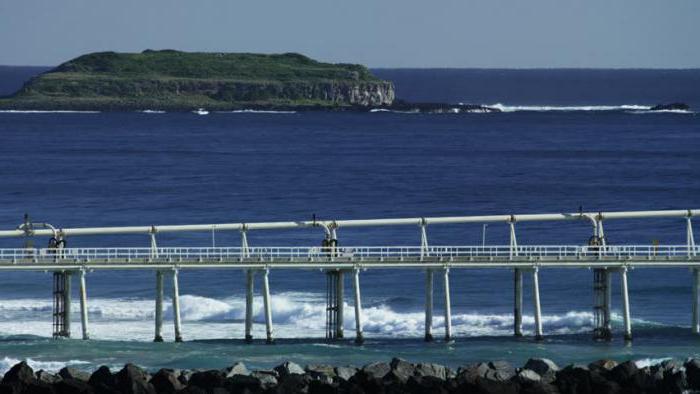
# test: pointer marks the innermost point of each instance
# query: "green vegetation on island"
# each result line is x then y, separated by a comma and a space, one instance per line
174, 80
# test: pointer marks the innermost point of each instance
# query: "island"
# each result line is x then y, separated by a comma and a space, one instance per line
184, 81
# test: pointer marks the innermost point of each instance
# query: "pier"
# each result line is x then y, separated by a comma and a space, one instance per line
338, 262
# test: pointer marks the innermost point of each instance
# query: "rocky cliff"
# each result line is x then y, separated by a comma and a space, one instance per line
174, 80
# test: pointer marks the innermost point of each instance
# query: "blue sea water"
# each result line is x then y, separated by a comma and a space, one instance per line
568, 139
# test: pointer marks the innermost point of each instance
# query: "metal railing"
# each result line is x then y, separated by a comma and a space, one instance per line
302, 253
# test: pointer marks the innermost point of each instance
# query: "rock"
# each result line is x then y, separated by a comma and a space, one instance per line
500, 371
289, 368
426, 385
321, 387
236, 369
400, 371
267, 379
528, 376
133, 380
345, 373
102, 380
166, 381
207, 380
434, 370
185, 376
670, 107
72, 386
624, 373
603, 364
376, 370
243, 384
20, 373
692, 370
46, 377
325, 373
74, 373
544, 367
293, 384
574, 379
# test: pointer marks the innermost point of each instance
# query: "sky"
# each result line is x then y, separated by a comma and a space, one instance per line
377, 33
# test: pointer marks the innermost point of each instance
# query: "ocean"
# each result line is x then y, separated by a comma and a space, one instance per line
566, 139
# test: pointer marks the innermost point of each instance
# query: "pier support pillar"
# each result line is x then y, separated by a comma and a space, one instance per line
83, 306
176, 308
428, 305
67, 303
518, 303
359, 338
159, 307
602, 304
340, 289
536, 303
249, 282
696, 302
448, 310
626, 304
268, 307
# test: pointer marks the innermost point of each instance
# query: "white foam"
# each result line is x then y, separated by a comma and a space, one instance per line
152, 111
569, 108
52, 366
295, 315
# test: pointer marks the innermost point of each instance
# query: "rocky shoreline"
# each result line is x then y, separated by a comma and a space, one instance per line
538, 375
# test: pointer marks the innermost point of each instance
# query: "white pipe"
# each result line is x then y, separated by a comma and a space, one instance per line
513, 240
356, 223
359, 338
518, 308
423, 242
83, 306
159, 307
268, 307
176, 308
250, 277
536, 303
626, 305
428, 305
448, 307
690, 238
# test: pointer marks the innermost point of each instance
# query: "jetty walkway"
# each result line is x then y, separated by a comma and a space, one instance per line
337, 261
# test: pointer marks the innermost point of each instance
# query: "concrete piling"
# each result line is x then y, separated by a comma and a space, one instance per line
340, 297
626, 304
536, 303
176, 308
249, 283
268, 307
359, 338
448, 307
67, 303
518, 302
159, 307
83, 307
428, 305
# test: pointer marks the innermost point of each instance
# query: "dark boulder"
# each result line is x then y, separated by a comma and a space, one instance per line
293, 384
73, 386
47, 377
426, 385
400, 371
207, 380
376, 370
102, 380
433, 370
243, 384
544, 367
574, 379
133, 380
20, 373
74, 373
166, 381
324, 373
692, 370
267, 379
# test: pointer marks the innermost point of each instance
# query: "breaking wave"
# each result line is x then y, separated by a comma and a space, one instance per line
295, 315
255, 111
52, 366
630, 108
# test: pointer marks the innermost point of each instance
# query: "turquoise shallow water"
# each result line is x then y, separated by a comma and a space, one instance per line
135, 168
